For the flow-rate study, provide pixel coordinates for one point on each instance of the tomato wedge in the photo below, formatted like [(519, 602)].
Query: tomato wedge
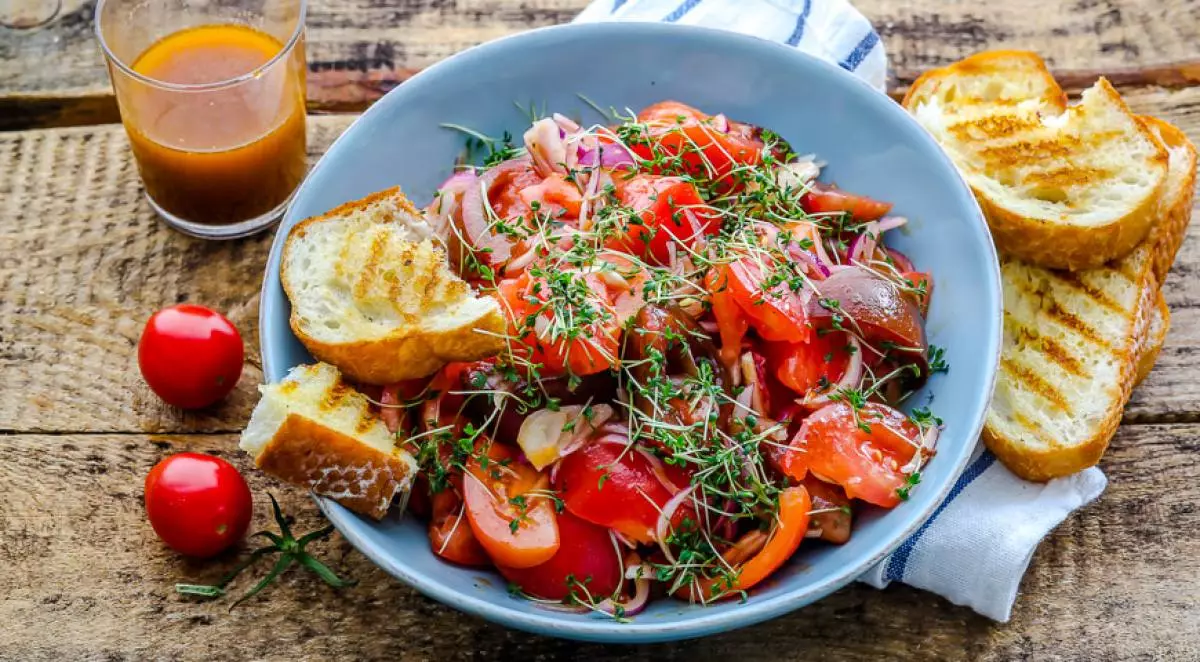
[(516, 528), (803, 367), (784, 540), (586, 560), (823, 198), (594, 349), (450, 534), (710, 147), (731, 323), (607, 484), (917, 278), (839, 448), (554, 196), (779, 314), (669, 209)]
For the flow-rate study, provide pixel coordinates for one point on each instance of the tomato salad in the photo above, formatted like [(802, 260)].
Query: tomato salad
[(705, 352)]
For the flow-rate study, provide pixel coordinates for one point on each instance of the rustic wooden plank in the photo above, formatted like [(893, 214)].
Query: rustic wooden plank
[(72, 310), (360, 49), (85, 578)]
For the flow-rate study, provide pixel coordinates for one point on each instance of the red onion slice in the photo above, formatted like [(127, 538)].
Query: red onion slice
[(546, 146), (607, 156), (663, 528), (901, 260)]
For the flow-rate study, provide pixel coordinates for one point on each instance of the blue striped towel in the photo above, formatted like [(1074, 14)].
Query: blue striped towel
[(975, 547)]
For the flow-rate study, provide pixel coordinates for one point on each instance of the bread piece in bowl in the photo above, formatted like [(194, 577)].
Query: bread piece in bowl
[(373, 294), (314, 430)]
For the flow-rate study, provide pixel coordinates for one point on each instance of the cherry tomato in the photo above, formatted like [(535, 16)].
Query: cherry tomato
[(708, 152), (190, 356), (779, 314), (670, 210), (822, 198), (509, 514), (838, 447), (783, 541), (199, 505), (616, 487), (803, 367), (450, 533), (594, 350), (585, 554)]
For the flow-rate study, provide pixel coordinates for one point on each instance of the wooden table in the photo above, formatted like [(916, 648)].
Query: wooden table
[(83, 262)]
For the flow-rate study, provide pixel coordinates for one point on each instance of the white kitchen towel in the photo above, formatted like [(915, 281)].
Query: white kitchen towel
[(832, 30), (975, 547)]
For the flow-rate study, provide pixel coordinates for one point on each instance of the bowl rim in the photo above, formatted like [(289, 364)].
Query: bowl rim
[(700, 624)]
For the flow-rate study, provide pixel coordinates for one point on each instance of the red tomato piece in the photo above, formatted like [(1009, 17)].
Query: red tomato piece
[(190, 356), (917, 278), (505, 194), (586, 556), (839, 448), (199, 505), (777, 315), (731, 322), (516, 528), (669, 209), (555, 196), (822, 198), (803, 367), (708, 152), (612, 486), (593, 350), (450, 533), (392, 399)]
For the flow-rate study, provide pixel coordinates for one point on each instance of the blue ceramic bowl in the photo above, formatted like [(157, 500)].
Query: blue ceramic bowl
[(871, 146)]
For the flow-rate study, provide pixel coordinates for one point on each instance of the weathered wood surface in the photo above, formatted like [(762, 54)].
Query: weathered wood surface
[(360, 49), (85, 578)]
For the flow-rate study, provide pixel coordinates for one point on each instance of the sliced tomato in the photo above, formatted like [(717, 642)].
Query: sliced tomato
[(803, 367), (779, 314), (512, 521), (707, 150), (594, 349), (823, 199), (506, 196), (830, 510), (731, 322), (555, 196), (782, 543), (616, 487), (450, 533), (917, 278), (669, 210), (863, 450), (586, 560)]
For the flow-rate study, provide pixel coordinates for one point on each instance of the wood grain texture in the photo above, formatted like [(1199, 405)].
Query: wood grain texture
[(1115, 582), (360, 49)]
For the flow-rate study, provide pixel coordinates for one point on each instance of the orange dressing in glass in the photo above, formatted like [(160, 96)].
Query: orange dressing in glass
[(225, 154)]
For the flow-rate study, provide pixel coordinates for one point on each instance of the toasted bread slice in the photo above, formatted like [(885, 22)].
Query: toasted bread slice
[(372, 293), (315, 431), (1065, 189), (1175, 204), (1067, 362), (991, 78), (1153, 340)]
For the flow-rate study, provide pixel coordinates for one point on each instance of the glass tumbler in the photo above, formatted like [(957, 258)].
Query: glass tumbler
[(211, 93)]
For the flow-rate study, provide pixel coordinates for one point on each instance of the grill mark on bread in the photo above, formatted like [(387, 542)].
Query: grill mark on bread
[(1027, 151), (998, 126), (1031, 426), (370, 269), (1073, 281), (1031, 381), (1067, 176), (1048, 347), (1069, 320)]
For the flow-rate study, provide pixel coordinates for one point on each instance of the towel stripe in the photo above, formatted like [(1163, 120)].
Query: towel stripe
[(798, 33), (898, 562), (860, 51), (681, 10), (617, 4)]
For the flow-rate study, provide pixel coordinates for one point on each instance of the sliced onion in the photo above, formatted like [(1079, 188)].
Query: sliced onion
[(635, 604), (449, 201), (929, 439), (608, 156), (849, 380), (663, 528), (476, 229), (566, 124), (720, 123), (889, 223), (545, 144), (657, 468), (862, 247), (544, 437)]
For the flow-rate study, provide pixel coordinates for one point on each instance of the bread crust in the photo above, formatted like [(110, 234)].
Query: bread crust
[(1174, 214), (362, 478), (928, 82), (1154, 340), (402, 354)]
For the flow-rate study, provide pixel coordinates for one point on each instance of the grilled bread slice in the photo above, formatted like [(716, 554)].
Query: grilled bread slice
[(1154, 339), (1175, 203), (988, 79), (1067, 362), (315, 431), (373, 294), (1065, 189)]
